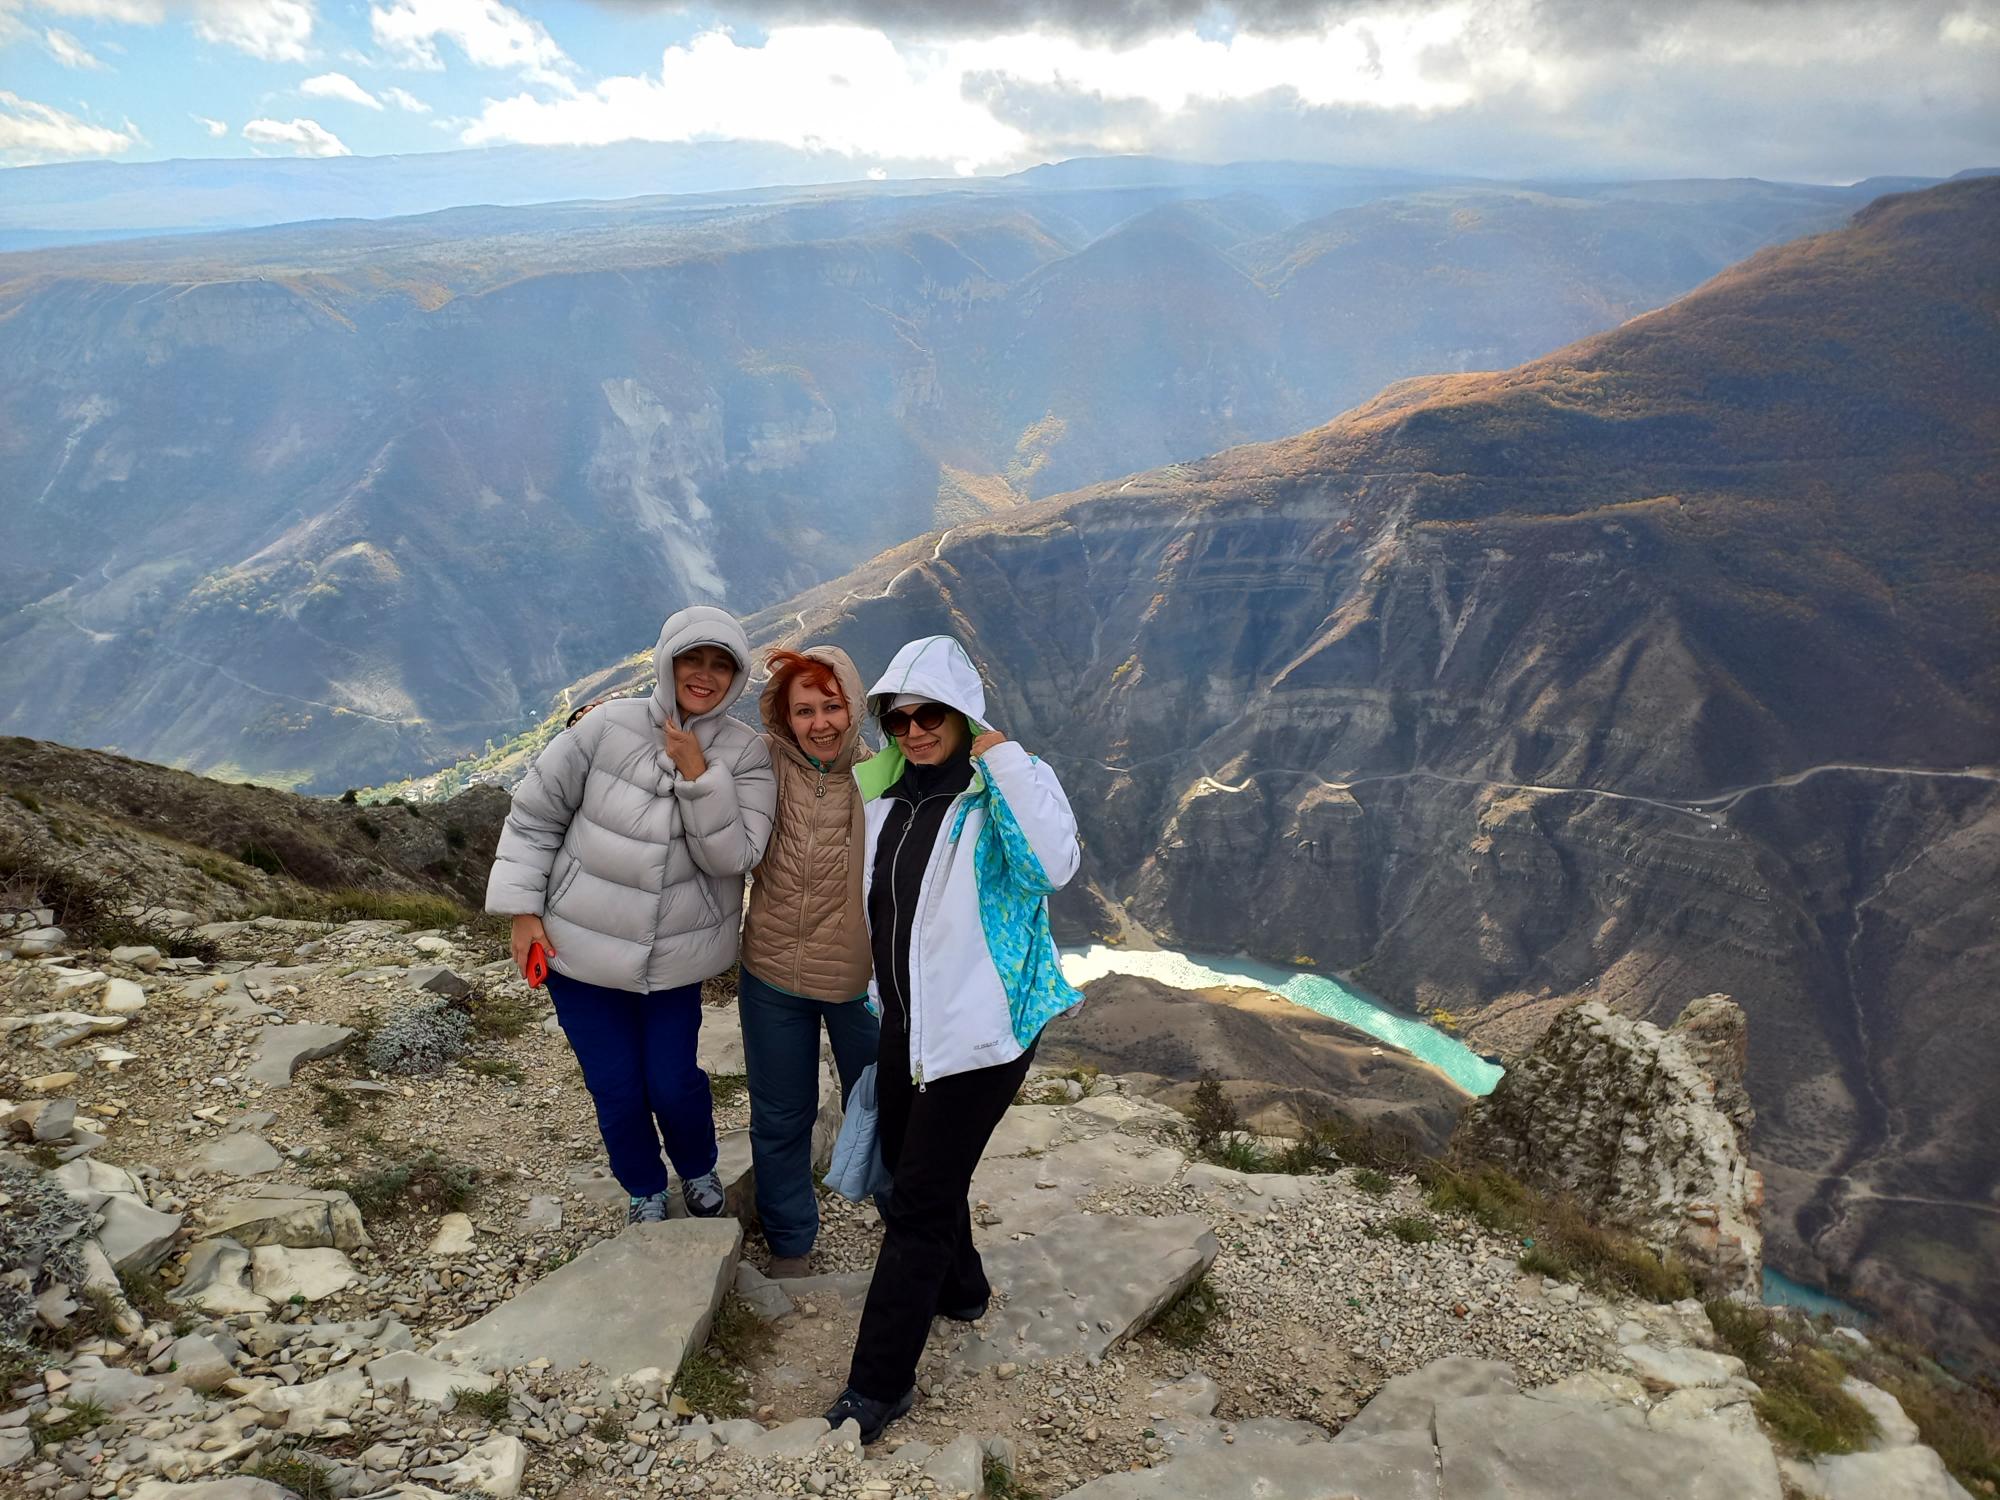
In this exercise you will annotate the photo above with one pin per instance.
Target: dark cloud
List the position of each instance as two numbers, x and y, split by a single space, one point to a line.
1060 117
1089 20
1696 123
1571 26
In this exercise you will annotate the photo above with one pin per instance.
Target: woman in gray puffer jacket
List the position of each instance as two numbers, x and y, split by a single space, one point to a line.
624 856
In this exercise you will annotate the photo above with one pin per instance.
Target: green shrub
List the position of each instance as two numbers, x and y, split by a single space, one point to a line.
739 1335
1411 1229
290 1469
1211 1113
499 1014
1375 1184
709 1386
260 856
1001 1483
420 1039
355 904
489 1406
429 1180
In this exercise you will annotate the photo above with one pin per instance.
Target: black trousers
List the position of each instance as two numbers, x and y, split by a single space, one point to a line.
931 1144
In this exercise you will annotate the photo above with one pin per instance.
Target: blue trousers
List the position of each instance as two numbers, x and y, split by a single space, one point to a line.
637 1053
781 1054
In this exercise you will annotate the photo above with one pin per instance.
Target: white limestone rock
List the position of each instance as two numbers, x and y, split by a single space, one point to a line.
283 1275
493 1468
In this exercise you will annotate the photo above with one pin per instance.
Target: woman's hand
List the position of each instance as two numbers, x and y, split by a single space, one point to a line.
528 931
986 742
684 750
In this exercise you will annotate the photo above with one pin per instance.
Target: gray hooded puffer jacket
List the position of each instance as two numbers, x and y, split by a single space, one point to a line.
636 872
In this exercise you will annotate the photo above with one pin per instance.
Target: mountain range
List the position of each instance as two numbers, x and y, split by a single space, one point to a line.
316 504
1663 665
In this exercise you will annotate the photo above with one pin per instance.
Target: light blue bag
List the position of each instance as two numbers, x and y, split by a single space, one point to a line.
856 1171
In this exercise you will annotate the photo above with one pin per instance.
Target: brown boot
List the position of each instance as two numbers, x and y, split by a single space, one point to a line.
789 1267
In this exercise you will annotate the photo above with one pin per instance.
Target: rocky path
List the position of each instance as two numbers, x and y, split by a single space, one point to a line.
363 1282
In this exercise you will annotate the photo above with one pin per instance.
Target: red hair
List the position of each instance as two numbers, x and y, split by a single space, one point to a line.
787 666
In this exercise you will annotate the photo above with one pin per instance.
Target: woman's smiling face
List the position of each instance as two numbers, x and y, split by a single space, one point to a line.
818 719
701 677
933 747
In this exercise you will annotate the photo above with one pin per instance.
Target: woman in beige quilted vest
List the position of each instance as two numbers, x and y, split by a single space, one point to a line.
805 944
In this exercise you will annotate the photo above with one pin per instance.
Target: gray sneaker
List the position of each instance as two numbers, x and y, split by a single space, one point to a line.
703 1195
651 1210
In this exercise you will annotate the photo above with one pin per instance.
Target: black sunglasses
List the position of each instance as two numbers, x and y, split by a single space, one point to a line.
926 716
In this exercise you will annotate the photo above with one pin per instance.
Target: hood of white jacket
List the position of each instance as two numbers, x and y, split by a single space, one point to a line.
935 667
698 625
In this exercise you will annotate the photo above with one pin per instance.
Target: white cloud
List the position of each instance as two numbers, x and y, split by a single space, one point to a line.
216 128
1812 89
68 51
305 137
31 132
842 88
405 100
133 12
852 88
339 86
275 30
490 34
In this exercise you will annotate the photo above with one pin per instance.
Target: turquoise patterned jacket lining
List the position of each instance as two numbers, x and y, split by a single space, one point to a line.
1014 912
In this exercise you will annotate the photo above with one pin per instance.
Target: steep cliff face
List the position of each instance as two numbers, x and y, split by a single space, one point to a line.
330 503
1665 666
1643 1128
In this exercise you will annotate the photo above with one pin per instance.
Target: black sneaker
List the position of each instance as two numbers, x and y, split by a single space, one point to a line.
870 1416
969 1314
703 1195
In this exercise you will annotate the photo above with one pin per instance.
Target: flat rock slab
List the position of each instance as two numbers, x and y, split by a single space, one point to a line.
1499 1447
217 1280
135 1237
300 1218
1085 1283
1408 1402
1295 1471
492 1468
307 1275
1913 1473
643 1298
281 1050
238 1154
420 1379
236 1488
1676 1368
1028 1193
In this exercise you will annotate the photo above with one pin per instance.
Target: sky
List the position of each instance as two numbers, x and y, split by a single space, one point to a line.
1810 90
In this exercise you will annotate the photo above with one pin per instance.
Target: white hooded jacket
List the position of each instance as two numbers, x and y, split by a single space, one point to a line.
637 872
959 1017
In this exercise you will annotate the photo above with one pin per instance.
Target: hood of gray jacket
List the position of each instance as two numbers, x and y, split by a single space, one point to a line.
698 625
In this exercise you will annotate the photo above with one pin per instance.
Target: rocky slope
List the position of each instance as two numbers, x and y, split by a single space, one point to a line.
1281 1065
1666 665
333 502
345 1276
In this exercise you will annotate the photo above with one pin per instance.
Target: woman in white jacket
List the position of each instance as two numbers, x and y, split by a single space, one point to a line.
966 834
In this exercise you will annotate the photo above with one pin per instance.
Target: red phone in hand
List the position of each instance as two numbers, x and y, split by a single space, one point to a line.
537 971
